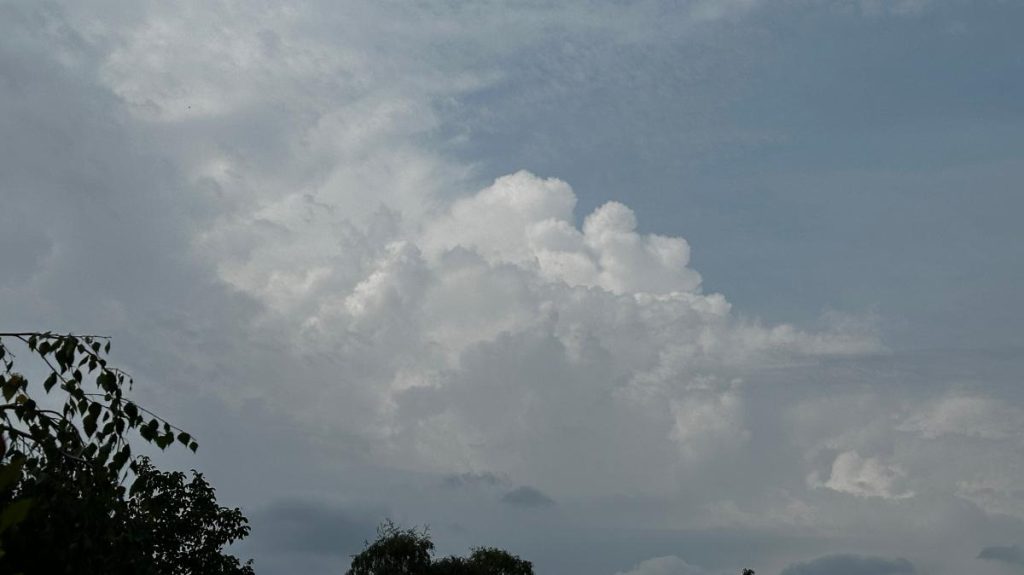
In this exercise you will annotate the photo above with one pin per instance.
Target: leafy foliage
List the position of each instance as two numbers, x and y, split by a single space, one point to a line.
400 551
73 498
396 551
483 561
180 524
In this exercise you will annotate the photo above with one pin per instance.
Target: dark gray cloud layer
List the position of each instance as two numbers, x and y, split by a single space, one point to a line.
1011 554
471 479
316 528
527 497
851 565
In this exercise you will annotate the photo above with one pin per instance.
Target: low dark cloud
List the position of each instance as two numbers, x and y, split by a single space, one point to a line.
1010 554
527 496
471 480
309 527
845 564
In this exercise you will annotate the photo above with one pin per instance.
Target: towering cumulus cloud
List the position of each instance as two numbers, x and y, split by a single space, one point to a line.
527 221
302 227
496 335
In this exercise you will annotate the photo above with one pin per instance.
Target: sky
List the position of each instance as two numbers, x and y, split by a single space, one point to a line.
626 288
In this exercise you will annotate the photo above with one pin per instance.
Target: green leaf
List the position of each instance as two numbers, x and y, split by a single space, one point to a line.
120 458
106 380
66 355
10 473
104 453
164 440
10 387
14 513
50 382
89 424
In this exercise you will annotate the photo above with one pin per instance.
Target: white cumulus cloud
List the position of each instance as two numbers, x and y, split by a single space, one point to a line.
867 477
667 565
498 335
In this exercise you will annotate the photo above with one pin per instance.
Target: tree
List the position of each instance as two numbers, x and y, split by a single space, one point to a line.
398 551
483 561
180 524
73 497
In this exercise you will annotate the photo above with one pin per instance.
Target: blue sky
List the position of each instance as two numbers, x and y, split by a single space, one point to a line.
651 288
820 158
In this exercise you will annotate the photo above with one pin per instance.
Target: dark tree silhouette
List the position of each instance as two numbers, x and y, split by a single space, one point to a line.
73 498
398 551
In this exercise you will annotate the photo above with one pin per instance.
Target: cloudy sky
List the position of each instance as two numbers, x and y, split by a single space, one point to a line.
627 288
